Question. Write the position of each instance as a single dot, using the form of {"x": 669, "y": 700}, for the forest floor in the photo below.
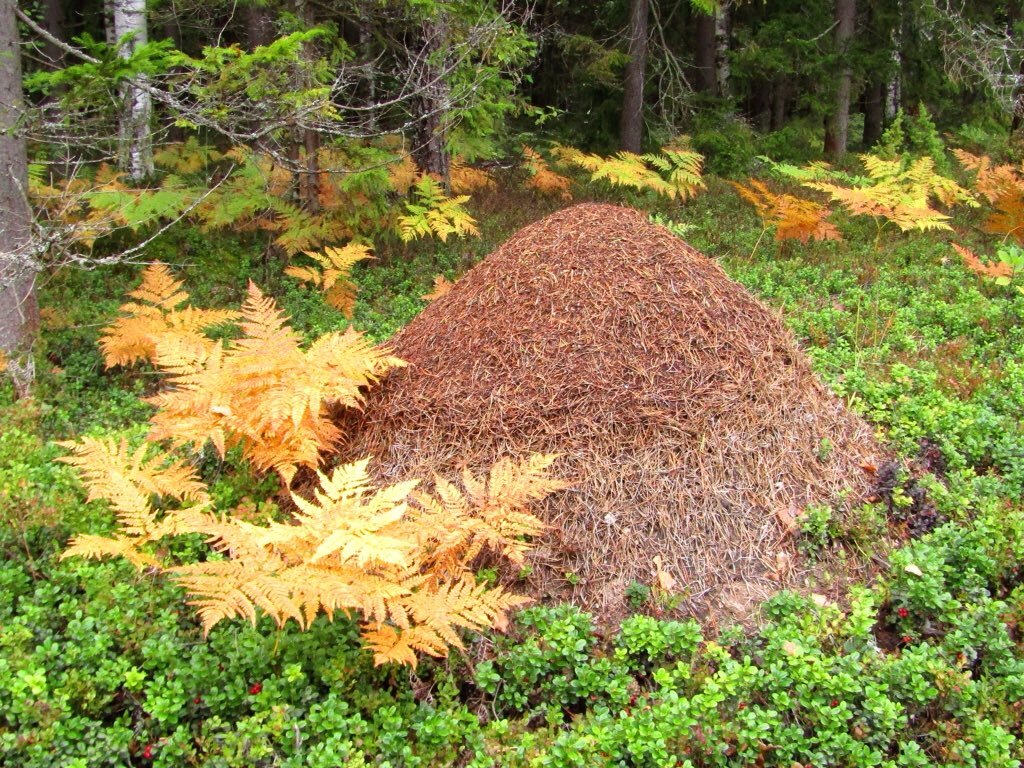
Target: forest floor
{"x": 103, "y": 666}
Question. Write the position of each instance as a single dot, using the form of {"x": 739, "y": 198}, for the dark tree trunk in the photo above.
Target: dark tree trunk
{"x": 704, "y": 53}
{"x": 53, "y": 22}
{"x": 838, "y": 127}
{"x": 430, "y": 152}
{"x": 311, "y": 192}
{"x": 761, "y": 105}
{"x": 631, "y": 126}
{"x": 874, "y": 113}
{"x": 780, "y": 99}
{"x": 19, "y": 310}
{"x": 259, "y": 26}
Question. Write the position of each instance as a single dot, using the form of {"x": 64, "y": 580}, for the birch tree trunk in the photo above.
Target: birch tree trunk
{"x": 19, "y": 311}
{"x": 631, "y": 126}
{"x": 722, "y": 70}
{"x": 136, "y": 138}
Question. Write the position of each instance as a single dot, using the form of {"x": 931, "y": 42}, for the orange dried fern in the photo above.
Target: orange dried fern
{"x": 263, "y": 391}
{"x": 398, "y": 557}
{"x": 793, "y": 218}
{"x": 331, "y": 274}
{"x": 157, "y": 313}
{"x": 542, "y": 178}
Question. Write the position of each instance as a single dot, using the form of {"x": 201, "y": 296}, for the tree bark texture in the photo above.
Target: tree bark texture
{"x": 874, "y": 113}
{"x": 259, "y": 26}
{"x": 631, "y": 126}
{"x": 53, "y": 21}
{"x": 309, "y": 174}
{"x": 838, "y": 128}
{"x": 722, "y": 70}
{"x": 780, "y": 100}
{"x": 704, "y": 52}
{"x": 19, "y": 310}
{"x": 136, "y": 135}
{"x": 432, "y": 105}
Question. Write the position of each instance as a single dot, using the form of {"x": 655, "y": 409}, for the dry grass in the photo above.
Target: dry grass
{"x": 686, "y": 415}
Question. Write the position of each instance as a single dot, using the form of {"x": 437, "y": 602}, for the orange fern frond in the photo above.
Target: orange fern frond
{"x": 465, "y": 179}
{"x": 155, "y": 315}
{"x": 332, "y": 274}
{"x": 403, "y": 175}
{"x": 996, "y": 270}
{"x": 1008, "y": 216}
{"x": 542, "y": 178}
{"x": 442, "y": 287}
{"x": 792, "y": 217}
{"x": 263, "y": 391}
{"x": 991, "y": 180}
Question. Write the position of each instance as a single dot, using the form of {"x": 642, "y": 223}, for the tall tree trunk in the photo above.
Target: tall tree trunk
{"x": 259, "y": 26}
{"x": 760, "y": 105}
{"x": 874, "y": 113}
{"x": 365, "y": 48}
{"x": 19, "y": 310}
{"x": 838, "y": 125}
{"x": 704, "y": 52}
{"x": 432, "y": 104}
{"x": 135, "y": 131}
{"x": 631, "y": 126}
{"x": 780, "y": 99}
{"x": 309, "y": 174}
{"x": 53, "y": 22}
{"x": 894, "y": 88}
{"x": 722, "y": 70}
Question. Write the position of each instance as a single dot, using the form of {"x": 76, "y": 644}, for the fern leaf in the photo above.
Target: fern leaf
{"x": 465, "y": 179}
{"x": 332, "y": 274}
{"x": 442, "y": 287}
{"x": 154, "y": 316}
{"x": 542, "y": 178}
{"x": 98, "y": 547}
{"x": 792, "y": 217}
{"x": 997, "y": 270}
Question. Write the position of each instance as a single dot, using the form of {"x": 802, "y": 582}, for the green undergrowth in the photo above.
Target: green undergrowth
{"x": 101, "y": 666}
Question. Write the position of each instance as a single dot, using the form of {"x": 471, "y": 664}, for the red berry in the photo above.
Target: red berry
{"x": 148, "y": 752}
{"x": 255, "y": 688}
{"x": 834, "y": 703}
{"x": 197, "y": 700}
{"x": 903, "y": 613}
{"x": 907, "y": 639}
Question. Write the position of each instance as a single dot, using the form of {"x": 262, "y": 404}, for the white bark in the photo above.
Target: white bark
{"x": 722, "y": 47}
{"x": 135, "y": 132}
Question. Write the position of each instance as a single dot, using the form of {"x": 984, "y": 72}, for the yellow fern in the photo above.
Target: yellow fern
{"x": 542, "y": 178}
{"x": 332, "y": 274}
{"x": 155, "y": 315}
{"x": 435, "y": 214}
{"x": 674, "y": 173}
{"x": 899, "y": 195}
{"x": 351, "y": 548}
{"x": 263, "y": 391}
